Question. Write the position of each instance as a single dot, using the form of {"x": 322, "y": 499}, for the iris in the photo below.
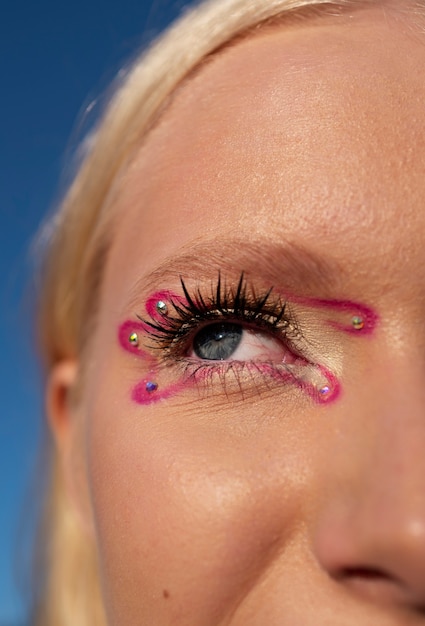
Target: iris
{"x": 217, "y": 342}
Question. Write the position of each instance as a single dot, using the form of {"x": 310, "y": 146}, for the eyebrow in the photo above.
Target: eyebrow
{"x": 282, "y": 266}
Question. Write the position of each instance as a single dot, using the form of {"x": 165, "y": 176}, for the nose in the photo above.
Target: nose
{"x": 370, "y": 530}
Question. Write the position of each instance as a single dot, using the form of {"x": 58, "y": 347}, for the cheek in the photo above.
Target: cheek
{"x": 189, "y": 504}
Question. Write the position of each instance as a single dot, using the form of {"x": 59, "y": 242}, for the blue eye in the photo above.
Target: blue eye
{"x": 217, "y": 342}
{"x": 230, "y": 341}
{"x": 234, "y": 324}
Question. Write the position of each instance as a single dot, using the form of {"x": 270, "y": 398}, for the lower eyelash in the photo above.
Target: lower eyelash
{"x": 317, "y": 381}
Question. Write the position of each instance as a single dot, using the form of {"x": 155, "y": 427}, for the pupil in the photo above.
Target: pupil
{"x": 217, "y": 342}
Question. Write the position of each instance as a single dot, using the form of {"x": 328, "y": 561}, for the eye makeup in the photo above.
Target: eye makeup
{"x": 353, "y": 317}
{"x": 147, "y": 390}
{"x": 234, "y": 336}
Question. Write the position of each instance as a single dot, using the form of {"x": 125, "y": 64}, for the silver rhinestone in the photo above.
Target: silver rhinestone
{"x": 162, "y": 307}
{"x": 358, "y": 322}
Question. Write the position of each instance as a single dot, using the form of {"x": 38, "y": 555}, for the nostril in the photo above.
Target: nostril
{"x": 373, "y": 583}
{"x": 365, "y": 573}
{"x": 382, "y": 563}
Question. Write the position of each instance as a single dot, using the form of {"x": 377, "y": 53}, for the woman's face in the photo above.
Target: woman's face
{"x": 254, "y": 447}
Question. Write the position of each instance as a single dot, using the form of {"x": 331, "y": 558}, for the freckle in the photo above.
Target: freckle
{"x": 166, "y": 594}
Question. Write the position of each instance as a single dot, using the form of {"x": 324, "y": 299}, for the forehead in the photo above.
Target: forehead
{"x": 312, "y": 132}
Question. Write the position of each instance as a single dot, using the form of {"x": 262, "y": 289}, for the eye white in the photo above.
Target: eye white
{"x": 259, "y": 346}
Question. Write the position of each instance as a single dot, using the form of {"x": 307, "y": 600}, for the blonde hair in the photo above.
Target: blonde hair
{"x": 69, "y": 590}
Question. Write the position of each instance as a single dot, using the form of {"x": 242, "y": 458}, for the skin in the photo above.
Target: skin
{"x": 214, "y": 508}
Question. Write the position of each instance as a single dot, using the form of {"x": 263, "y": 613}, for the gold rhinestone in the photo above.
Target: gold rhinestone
{"x": 134, "y": 339}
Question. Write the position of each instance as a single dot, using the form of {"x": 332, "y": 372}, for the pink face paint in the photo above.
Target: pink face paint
{"x": 126, "y": 330}
{"x": 358, "y": 319}
{"x": 142, "y": 395}
{"x": 162, "y": 297}
{"x": 320, "y": 384}
{"x": 148, "y": 390}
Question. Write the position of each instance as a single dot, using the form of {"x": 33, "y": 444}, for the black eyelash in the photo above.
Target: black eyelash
{"x": 243, "y": 304}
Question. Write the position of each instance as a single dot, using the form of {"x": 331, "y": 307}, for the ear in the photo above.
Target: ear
{"x": 61, "y": 383}
{"x": 66, "y": 421}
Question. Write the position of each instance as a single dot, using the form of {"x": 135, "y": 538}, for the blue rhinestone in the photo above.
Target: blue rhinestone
{"x": 150, "y": 387}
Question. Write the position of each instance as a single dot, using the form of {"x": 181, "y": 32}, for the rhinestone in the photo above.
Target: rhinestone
{"x": 151, "y": 386}
{"x": 134, "y": 339}
{"x": 324, "y": 390}
{"x": 162, "y": 307}
{"x": 357, "y": 322}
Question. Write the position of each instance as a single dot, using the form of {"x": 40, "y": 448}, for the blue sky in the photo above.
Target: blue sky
{"x": 55, "y": 59}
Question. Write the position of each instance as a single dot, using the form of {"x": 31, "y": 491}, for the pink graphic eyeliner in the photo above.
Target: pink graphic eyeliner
{"x": 163, "y": 297}
{"x": 141, "y": 395}
{"x": 126, "y": 330}
{"x": 320, "y": 384}
{"x": 147, "y": 391}
{"x": 347, "y": 307}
